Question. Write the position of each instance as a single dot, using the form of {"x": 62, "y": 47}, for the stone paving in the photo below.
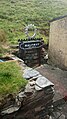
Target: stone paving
{"x": 59, "y": 78}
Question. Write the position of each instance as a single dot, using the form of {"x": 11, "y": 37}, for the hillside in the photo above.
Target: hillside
{"x": 16, "y": 14}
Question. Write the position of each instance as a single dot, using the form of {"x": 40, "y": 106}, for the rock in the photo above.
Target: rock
{"x": 16, "y": 58}
{"x": 33, "y": 73}
{"x": 29, "y": 73}
{"x": 30, "y": 94}
{"x": 50, "y": 117}
{"x": 26, "y": 76}
{"x": 35, "y": 77}
{"x": 37, "y": 88}
{"x": 32, "y": 82}
{"x": 62, "y": 116}
{"x": 18, "y": 101}
{"x": 46, "y": 57}
{"x": 57, "y": 115}
{"x": 26, "y": 73}
{"x": 10, "y": 109}
{"x": 19, "y": 98}
{"x": 21, "y": 95}
{"x": 29, "y": 89}
{"x": 42, "y": 82}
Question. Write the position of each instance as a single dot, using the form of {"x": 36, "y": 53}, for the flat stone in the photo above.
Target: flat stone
{"x": 33, "y": 73}
{"x": 42, "y": 82}
{"x": 29, "y": 73}
{"x": 35, "y": 77}
{"x": 26, "y": 73}
{"x": 29, "y": 88}
{"x": 26, "y": 76}
{"x": 37, "y": 88}
{"x": 10, "y": 109}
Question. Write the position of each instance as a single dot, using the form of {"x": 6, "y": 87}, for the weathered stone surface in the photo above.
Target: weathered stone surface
{"x": 29, "y": 72}
{"x": 32, "y": 82}
{"x": 34, "y": 73}
{"x": 42, "y": 82}
{"x": 62, "y": 116}
{"x": 15, "y": 106}
{"x": 46, "y": 57}
{"x": 21, "y": 95}
{"x": 57, "y": 115}
{"x": 10, "y": 109}
{"x": 26, "y": 72}
{"x": 58, "y": 42}
{"x": 32, "y": 106}
{"x": 35, "y": 77}
{"x": 29, "y": 88}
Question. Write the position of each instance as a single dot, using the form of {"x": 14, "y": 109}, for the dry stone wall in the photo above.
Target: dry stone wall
{"x": 35, "y": 101}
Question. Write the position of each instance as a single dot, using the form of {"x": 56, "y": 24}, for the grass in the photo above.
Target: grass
{"x": 16, "y": 14}
{"x": 11, "y": 80}
{"x": 3, "y": 42}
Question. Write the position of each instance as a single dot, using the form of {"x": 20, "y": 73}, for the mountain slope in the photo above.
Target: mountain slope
{"x": 16, "y": 14}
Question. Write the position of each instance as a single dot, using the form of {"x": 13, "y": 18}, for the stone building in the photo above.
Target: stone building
{"x": 58, "y": 42}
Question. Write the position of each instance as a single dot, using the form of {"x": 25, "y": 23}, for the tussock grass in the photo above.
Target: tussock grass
{"x": 3, "y": 42}
{"x": 3, "y": 38}
{"x": 11, "y": 80}
{"x": 16, "y": 14}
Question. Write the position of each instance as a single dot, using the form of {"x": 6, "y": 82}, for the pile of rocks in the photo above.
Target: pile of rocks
{"x": 33, "y": 100}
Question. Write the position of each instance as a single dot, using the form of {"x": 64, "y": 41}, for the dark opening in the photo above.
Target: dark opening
{"x": 3, "y": 59}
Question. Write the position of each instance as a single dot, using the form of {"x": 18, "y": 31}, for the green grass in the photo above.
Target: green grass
{"x": 16, "y": 14}
{"x": 11, "y": 80}
{"x": 3, "y": 42}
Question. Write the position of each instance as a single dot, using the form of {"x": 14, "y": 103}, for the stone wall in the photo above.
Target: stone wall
{"x": 58, "y": 42}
